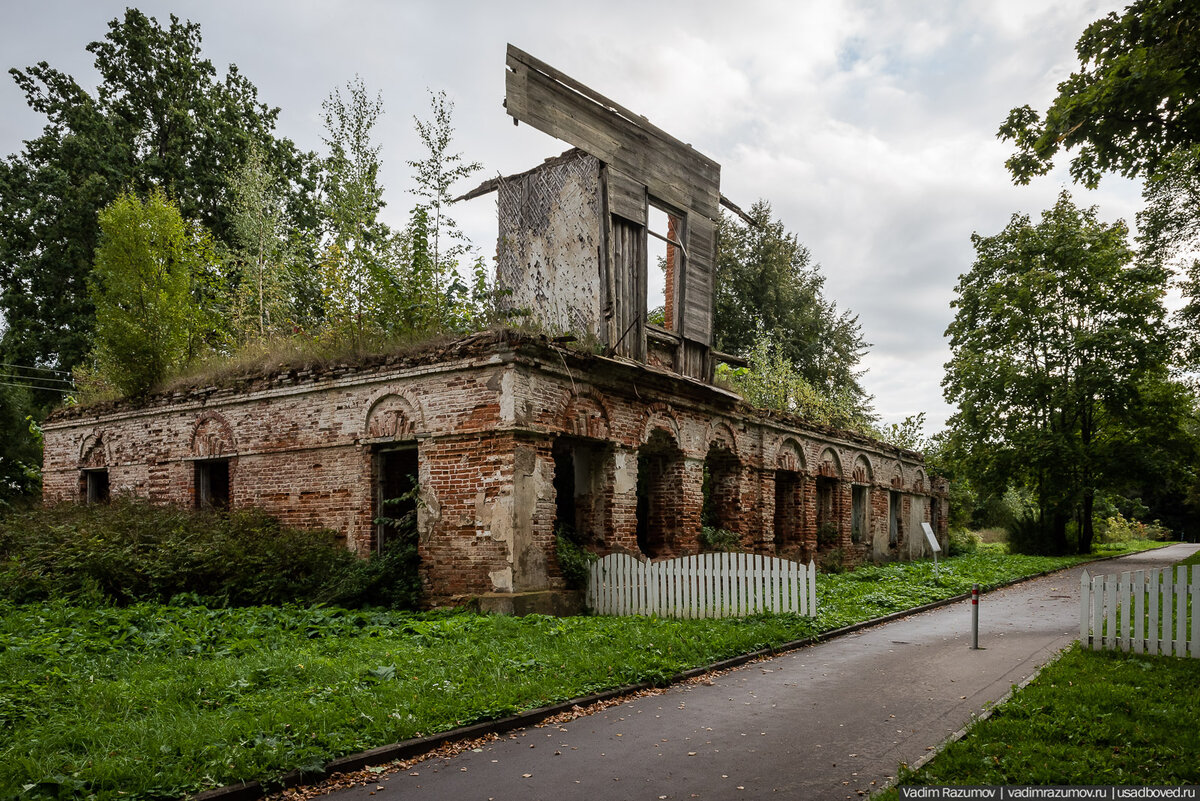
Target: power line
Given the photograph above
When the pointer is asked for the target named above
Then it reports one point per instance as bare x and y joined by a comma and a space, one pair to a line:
66, 381
39, 369
31, 386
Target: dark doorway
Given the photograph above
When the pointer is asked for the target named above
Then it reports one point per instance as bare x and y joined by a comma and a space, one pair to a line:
212, 484
787, 510
858, 514
659, 494
396, 494
95, 486
720, 505
828, 527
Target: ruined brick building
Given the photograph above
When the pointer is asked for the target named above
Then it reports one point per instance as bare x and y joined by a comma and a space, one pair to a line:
512, 435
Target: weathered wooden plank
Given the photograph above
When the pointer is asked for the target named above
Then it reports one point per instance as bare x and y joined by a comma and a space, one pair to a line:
1180, 648
629, 258
1126, 591
1085, 607
1110, 602
538, 95
626, 196
1097, 613
1195, 593
1139, 612
697, 281
1152, 634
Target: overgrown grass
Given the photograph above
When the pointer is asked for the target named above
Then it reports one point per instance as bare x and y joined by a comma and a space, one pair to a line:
155, 701
1092, 717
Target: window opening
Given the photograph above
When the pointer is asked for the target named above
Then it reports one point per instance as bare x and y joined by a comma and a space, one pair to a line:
827, 522
659, 494
396, 493
719, 496
212, 484
565, 517
894, 529
95, 486
858, 514
787, 510
665, 254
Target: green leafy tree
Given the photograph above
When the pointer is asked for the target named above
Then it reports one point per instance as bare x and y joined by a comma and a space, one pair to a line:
161, 117
434, 175
1059, 348
151, 270
264, 260
766, 281
772, 381
1131, 104
355, 254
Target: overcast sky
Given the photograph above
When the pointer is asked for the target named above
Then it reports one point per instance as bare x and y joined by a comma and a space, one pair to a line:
869, 126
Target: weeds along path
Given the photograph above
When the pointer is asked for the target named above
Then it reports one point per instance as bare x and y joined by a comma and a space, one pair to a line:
834, 720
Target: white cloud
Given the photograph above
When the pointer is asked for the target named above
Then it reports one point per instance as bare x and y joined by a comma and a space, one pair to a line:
869, 126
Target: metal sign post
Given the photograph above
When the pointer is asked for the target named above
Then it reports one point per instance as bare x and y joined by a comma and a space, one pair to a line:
931, 538
974, 617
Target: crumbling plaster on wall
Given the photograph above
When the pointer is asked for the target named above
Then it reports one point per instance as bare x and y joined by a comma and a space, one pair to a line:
548, 255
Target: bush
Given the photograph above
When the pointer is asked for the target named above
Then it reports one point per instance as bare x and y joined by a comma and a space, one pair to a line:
827, 535
719, 539
574, 561
963, 542
832, 561
1119, 528
131, 551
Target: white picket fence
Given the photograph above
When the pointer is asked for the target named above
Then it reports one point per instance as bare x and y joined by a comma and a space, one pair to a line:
707, 585
1142, 612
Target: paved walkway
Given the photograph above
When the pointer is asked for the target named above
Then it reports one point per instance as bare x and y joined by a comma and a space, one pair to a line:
829, 721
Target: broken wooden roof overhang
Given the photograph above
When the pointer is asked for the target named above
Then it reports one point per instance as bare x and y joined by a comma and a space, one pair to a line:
555, 103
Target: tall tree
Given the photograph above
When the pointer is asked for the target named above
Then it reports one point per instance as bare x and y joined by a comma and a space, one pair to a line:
160, 118
1059, 354
766, 281
151, 268
1130, 105
434, 175
355, 252
265, 254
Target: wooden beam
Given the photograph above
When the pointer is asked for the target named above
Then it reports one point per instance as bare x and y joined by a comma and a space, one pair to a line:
672, 171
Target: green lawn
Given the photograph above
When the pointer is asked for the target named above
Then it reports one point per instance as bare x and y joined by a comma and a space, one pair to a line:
1092, 717
155, 701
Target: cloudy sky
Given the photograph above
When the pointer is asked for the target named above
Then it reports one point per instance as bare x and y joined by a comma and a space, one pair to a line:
869, 126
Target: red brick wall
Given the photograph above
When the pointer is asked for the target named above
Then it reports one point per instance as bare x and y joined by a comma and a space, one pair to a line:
484, 427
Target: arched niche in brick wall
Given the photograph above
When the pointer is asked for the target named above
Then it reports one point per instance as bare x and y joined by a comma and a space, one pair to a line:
790, 457
393, 415
93, 451
862, 473
660, 418
720, 436
897, 477
586, 416
918, 482
212, 436
829, 464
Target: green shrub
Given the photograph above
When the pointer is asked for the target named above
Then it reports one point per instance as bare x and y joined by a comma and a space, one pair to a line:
719, 539
827, 534
574, 561
131, 551
963, 542
1119, 528
832, 561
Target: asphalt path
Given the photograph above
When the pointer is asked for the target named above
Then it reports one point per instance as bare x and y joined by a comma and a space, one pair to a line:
829, 721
